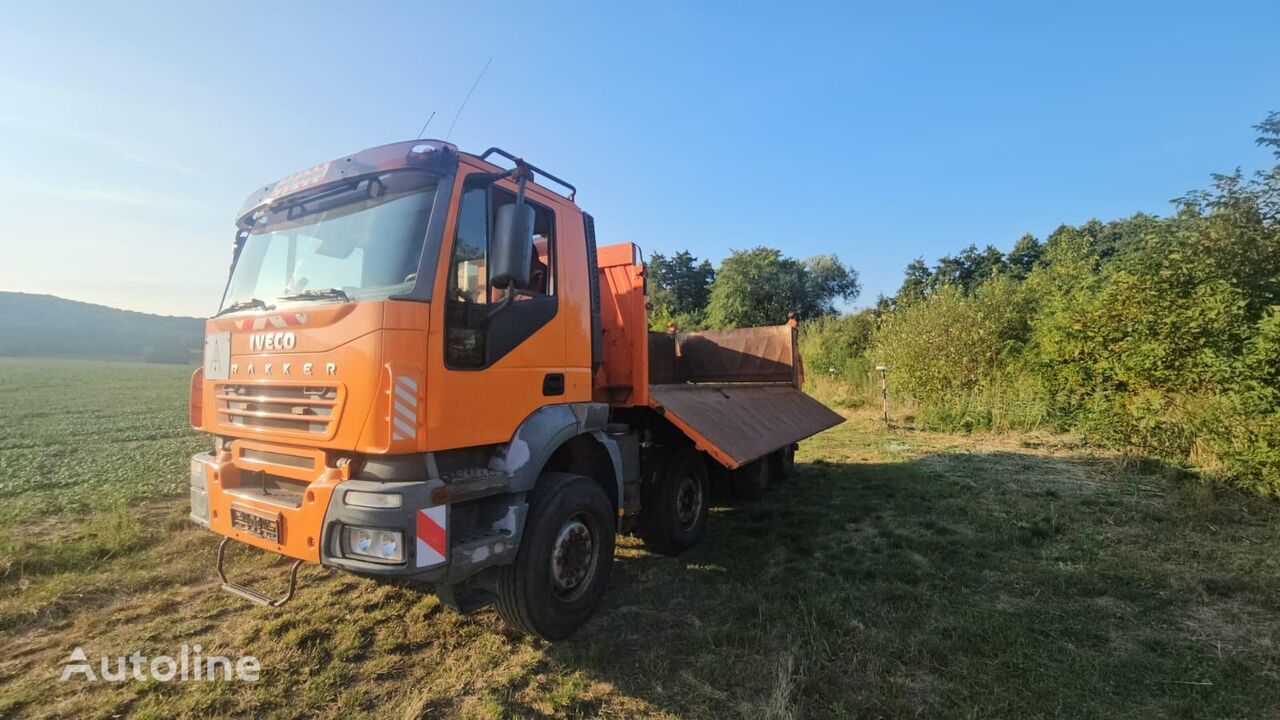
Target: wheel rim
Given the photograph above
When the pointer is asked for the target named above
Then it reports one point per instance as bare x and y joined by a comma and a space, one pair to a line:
688, 501
573, 558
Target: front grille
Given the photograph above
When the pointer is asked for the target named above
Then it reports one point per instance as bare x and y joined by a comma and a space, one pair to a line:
298, 409
267, 457
269, 487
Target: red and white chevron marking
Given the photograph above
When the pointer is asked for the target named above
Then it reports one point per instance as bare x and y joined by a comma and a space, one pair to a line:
432, 532
272, 321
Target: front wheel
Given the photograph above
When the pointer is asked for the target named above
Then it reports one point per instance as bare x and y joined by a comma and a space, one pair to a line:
562, 567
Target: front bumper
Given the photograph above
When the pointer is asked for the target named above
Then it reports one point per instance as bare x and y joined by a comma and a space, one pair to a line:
311, 526
217, 483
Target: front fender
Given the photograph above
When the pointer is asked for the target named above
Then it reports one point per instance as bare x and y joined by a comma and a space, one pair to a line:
549, 427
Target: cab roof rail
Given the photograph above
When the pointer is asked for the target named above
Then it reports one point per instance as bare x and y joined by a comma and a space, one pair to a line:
499, 151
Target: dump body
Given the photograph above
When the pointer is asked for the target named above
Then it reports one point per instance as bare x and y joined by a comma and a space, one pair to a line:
418, 350
735, 393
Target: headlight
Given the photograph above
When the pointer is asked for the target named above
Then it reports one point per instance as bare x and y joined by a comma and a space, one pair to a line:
360, 498
376, 544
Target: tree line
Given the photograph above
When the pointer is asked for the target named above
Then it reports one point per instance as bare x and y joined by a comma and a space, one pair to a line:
760, 286
1156, 334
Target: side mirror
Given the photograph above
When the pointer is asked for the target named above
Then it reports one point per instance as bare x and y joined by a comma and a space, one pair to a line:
511, 249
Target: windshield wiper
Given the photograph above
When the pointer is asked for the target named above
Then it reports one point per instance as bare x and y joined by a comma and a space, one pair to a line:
244, 305
333, 293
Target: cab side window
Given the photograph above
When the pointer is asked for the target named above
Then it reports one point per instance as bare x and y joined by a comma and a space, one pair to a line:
468, 325
468, 275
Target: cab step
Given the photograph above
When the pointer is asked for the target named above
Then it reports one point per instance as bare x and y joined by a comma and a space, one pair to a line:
248, 593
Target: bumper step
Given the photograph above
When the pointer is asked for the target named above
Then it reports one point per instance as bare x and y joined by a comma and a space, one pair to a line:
250, 594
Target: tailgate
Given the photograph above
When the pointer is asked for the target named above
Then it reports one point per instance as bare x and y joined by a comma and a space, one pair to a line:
737, 423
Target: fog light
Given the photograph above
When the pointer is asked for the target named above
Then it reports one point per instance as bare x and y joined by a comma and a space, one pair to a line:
359, 498
376, 544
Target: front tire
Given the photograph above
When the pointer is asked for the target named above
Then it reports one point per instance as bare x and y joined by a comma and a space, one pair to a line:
562, 567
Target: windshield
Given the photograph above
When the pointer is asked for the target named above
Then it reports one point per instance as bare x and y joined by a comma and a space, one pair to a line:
363, 239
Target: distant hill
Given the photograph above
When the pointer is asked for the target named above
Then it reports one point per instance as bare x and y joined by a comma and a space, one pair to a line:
48, 326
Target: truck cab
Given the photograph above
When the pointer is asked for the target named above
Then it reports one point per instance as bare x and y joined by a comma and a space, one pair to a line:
423, 367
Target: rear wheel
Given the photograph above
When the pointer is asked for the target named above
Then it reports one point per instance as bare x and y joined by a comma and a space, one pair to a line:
562, 567
675, 507
781, 463
751, 480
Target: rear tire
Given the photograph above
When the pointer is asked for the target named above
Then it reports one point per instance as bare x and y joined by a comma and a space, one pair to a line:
675, 507
751, 480
562, 567
781, 463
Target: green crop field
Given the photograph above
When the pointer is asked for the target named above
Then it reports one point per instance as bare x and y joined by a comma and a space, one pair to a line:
80, 436
898, 573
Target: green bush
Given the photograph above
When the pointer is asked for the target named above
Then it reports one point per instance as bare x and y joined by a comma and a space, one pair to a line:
837, 370
834, 346
1007, 401
949, 341
1239, 433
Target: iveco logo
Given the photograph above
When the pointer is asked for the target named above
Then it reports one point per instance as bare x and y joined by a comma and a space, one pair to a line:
272, 341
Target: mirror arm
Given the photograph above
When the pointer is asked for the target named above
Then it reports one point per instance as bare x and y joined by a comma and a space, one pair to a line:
521, 173
507, 299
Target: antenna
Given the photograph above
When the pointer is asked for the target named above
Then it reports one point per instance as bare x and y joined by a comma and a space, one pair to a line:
425, 124
468, 97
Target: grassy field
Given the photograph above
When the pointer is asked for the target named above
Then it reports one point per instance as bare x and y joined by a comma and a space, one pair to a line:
898, 574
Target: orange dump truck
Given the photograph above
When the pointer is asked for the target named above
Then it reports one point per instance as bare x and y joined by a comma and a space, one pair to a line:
424, 368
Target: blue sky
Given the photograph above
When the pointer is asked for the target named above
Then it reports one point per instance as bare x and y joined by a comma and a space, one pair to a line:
880, 132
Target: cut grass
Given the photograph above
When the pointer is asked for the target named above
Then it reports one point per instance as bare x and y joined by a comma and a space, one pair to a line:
896, 574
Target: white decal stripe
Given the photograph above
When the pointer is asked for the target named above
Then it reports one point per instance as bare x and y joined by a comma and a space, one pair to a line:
408, 397
404, 427
408, 382
408, 414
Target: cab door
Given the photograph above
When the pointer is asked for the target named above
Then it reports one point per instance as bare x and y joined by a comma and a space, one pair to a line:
496, 365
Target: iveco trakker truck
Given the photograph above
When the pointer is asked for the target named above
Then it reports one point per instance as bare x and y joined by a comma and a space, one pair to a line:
424, 367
